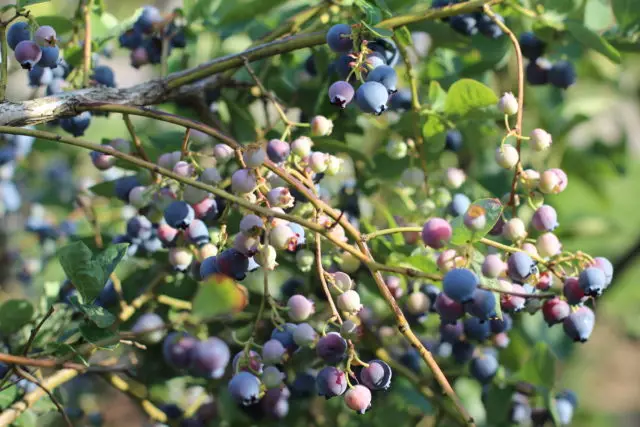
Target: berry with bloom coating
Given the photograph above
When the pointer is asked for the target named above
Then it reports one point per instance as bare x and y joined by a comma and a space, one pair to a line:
341, 93
448, 309
331, 348
376, 376
562, 74
251, 224
254, 156
244, 361
386, 76
476, 329
449, 259
572, 291
537, 72
372, 97
304, 335
232, 263
222, 152
436, 233
282, 237
459, 284
179, 214
301, 146
17, 33
454, 178
244, 387
300, 308
459, 204
349, 301
579, 324
532, 47
483, 368
606, 266
453, 140
50, 56
180, 258
321, 126
243, 181
418, 303
540, 139
507, 156
555, 311
76, 125
514, 230
520, 266
464, 24
198, 233
152, 322
592, 280
272, 352
358, 398
331, 382
210, 358
513, 303
483, 304
285, 335
474, 218
338, 38
280, 197
548, 245
28, 54
493, 266
545, 218
272, 377
499, 326
278, 150
508, 104
177, 349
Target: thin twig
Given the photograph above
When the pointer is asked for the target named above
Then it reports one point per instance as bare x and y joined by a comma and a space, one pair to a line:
4, 67
323, 280
185, 144
26, 375
34, 331
86, 53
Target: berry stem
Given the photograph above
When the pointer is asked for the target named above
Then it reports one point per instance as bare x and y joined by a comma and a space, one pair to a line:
86, 52
4, 46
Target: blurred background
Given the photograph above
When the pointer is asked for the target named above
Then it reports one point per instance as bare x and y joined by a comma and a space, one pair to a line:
597, 142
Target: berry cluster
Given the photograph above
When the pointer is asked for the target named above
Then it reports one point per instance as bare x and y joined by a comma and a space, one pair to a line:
472, 23
539, 70
149, 33
41, 51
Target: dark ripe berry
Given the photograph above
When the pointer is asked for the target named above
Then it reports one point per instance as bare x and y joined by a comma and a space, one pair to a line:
310, 66
131, 39
149, 322
387, 48
459, 204
562, 75
432, 291
384, 75
50, 56
272, 352
520, 266
28, 54
243, 361
376, 376
462, 351
400, 101
459, 284
532, 47
304, 385
148, 18
179, 39
278, 150
331, 382
76, 125
179, 214
210, 358
501, 325
103, 76
372, 98
483, 304
198, 233
579, 324
285, 336
572, 291
476, 329
436, 233
555, 311
338, 38
177, 349
343, 66
483, 368
592, 281
448, 309
412, 360
453, 140
139, 227
358, 398
244, 387
124, 185
451, 332
17, 33
537, 72
275, 403
139, 57
464, 24
606, 266
341, 93
39, 76
208, 267
487, 27
172, 411
331, 348
232, 263
153, 47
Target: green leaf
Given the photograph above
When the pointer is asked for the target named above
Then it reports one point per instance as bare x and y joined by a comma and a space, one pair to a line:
28, 418
404, 35
218, 295
379, 32
7, 396
97, 336
61, 24
540, 368
437, 96
104, 189
627, 14
373, 15
496, 404
73, 55
592, 40
24, 3
467, 95
111, 257
433, 126
98, 315
14, 314
462, 235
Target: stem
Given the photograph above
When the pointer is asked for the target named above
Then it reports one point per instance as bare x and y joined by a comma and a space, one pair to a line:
386, 231
86, 53
323, 280
4, 73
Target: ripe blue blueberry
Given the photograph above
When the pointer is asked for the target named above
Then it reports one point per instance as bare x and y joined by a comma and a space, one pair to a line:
232, 263
501, 325
476, 329
592, 280
451, 332
532, 47
400, 101
131, 39
338, 38
562, 74
198, 233
17, 33
487, 27
483, 304
39, 76
459, 204
462, 351
579, 324
50, 56
177, 349
103, 76
537, 71
464, 24
520, 266
76, 125
606, 266
341, 93
384, 75
453, 140
331, 382
372, 97
210, 358
387, 48
179, 214
484, 367
244, 387
376, 376
285, 335
124, 185
332, 348
139, 227
459, 284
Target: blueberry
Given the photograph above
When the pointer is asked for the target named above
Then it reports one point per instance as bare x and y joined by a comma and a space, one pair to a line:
198, 233
50, 56
331, 382
436, 233
460, 284
179, 214
387, 48
45, 36
372, 97
537, 72
39, 76
332, 348
606, 266
341, 93
555, 311
562, 74
103, 76
131, 39
139, 227
476, 329
244, 387
453, 140
285, 335
464, 24
304, 385
384, 75
501, 325
76, 125
210, 358
232, 263
153, 48
343, 66
487, 27
273, 352
244, 361
448, 309
376, 376
17, 33
338, 38
532, 47
459, 204
520, 266
177, 349
483, 304
278, 150
172, 411
592, 280
579, 324
358, 398
572, 291
483, 368
124, 185
148, 18
462, 351
28, 54
400, 101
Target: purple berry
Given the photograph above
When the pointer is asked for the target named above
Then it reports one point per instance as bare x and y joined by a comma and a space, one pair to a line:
278, 150
243, 181
28, 54
331, 382
338, 38
448, 309
300, 308
332, 348
545, 218
232, 263
493, 266
177, 349
499, 326
45, 36
210, 358
555, 311
272, 352
376, 376
152, 322
436, 233
341, 93
579, 324
285, 335
572, 291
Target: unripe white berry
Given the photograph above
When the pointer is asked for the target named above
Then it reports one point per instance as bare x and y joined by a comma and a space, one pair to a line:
301, 146
549, 182
540, 139
321, 126
318, 162
514, 230
454, 178
508, 104
266, 257
350, 302
507, 156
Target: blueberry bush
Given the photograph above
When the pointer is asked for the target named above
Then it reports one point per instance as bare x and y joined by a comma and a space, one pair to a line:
314, 212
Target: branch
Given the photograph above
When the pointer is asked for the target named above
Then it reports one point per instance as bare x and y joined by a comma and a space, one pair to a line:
188, 82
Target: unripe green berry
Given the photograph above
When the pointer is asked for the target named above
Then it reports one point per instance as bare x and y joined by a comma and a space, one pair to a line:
304, 260
397, 149
321, 126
